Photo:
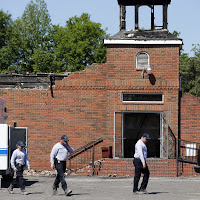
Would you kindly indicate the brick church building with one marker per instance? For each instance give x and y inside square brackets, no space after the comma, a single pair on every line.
[107,107]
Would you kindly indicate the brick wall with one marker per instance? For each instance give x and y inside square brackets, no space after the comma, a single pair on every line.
[125,168]
[84,103]
[190,118]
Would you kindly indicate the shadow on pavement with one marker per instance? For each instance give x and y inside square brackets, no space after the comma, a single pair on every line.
[74,194]
[6,183]
[35,192]
[157,192]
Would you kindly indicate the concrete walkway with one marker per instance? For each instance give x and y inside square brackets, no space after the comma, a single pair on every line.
[96,188]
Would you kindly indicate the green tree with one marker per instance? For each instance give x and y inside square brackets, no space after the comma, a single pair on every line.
[30,40]
[190,69]
[5,23]
[35,32]
[79,44]
[5,30]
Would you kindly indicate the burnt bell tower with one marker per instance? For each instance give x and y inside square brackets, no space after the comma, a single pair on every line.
[137,4]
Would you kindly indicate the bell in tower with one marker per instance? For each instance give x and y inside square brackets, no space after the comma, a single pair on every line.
[137,4]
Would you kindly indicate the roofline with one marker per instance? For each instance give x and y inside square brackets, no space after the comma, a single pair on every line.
[167,42]
[143,2]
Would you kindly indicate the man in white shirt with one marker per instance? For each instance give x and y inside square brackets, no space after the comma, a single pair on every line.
[58,160]
[19,160]
[140,164]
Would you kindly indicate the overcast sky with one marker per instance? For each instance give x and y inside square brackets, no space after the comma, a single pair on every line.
[183,15]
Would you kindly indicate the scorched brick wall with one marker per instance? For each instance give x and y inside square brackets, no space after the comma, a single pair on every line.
[84,103]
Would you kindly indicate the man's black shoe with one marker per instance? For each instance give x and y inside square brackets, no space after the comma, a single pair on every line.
[143,192]
[68,192]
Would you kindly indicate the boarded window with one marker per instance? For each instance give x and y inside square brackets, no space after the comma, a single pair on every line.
[142,60]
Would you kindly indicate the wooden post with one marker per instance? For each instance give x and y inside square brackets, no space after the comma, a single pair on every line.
[122,17]
[165,16]
[152,17]
[136,17]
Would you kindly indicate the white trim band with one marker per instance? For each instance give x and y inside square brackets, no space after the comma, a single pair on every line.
[179,42]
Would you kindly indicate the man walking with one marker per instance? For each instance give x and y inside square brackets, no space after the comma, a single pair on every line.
[140,164]
[58,160]
[19,160]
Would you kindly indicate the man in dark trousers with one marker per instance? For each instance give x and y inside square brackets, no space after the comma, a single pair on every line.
[19,161]
[58,160]
[141,165]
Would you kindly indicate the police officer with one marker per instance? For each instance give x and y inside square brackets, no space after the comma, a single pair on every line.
[140,164]
[58,159]
[19,160]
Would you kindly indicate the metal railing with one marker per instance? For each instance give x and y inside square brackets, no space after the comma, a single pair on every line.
[83,156]
[188,151]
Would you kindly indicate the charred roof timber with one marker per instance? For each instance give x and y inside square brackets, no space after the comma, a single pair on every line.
[137,4]
[30,80]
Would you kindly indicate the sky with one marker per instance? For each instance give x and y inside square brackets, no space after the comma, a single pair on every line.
[183,15]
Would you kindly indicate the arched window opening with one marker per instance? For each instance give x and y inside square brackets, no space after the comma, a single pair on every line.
[142,60]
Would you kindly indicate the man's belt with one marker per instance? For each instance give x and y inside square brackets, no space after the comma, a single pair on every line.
[59,161]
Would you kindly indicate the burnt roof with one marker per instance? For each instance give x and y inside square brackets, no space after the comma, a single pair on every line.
[144,35]
[143,2]
[29,81]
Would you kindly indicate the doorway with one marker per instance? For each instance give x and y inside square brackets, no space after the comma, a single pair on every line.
[134,125]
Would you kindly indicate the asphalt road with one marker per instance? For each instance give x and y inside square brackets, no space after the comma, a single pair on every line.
[97,188]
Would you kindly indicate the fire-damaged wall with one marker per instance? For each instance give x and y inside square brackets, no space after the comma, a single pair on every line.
[135,91]
[83,103]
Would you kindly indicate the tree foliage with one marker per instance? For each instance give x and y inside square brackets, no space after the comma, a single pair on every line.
[29,40]
[34,33]
[79,43]
[190,70]
[5,22]
[32,44]
[5,30]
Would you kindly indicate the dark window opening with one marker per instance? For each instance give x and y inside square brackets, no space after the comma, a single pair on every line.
[142,97]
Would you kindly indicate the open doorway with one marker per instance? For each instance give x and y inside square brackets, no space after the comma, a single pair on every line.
[134,125]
